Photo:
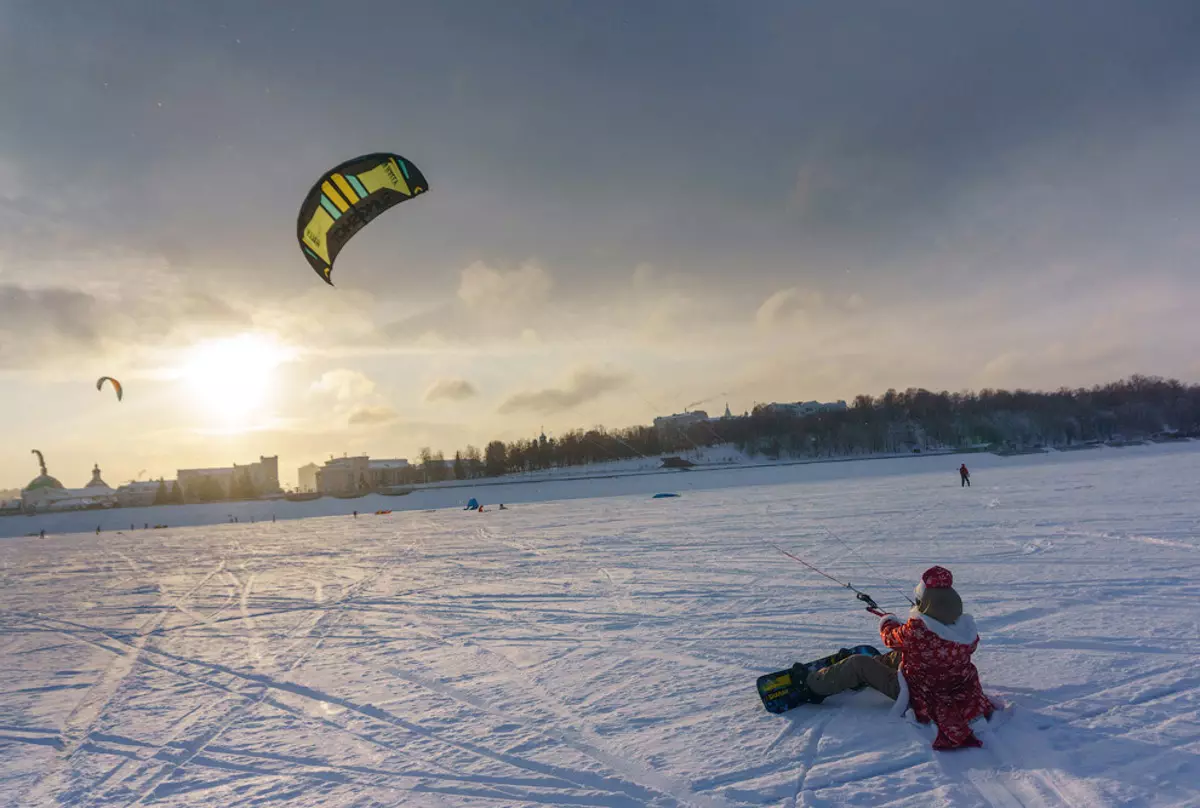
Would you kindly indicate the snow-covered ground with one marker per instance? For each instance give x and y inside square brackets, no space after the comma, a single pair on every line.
[603,651]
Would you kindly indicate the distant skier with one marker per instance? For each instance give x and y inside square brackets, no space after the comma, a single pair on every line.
[929,668]
[502,507]
[42,535]
[965,475]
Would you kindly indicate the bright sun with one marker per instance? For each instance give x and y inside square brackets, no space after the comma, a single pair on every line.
[232,378]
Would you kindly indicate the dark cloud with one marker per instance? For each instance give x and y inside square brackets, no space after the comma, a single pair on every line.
[41,326]
[583,386]
[33,319]
[451,390]
[890,119]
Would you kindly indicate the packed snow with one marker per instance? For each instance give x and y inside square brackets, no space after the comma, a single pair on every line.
[602,650]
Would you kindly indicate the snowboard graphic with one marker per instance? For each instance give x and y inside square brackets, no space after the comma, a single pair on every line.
[779,694]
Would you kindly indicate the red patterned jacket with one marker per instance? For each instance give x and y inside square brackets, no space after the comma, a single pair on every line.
[935,668]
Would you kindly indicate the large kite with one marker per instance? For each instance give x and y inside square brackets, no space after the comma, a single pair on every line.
[116,385]
[347,198]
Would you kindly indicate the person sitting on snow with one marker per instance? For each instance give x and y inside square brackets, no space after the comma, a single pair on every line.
[929,668]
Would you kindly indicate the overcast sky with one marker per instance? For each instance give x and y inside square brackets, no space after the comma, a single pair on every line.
[633,206]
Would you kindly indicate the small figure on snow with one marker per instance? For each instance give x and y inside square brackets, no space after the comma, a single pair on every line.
[965,475]
[929,668]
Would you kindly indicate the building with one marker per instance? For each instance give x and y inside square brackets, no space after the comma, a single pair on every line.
[195,482]
[344,475]
[307,476]
[352,475]
[263,476]
[680,422]
[45,493]
[387,473]
[139,494]
[802,408]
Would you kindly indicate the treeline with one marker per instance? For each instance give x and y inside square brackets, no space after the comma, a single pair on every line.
[910,421]
[917,420]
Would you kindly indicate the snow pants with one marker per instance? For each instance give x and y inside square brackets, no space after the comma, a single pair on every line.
[856,671]
[966,482]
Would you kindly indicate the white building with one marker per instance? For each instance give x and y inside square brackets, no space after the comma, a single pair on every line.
[193,481]
[387,473]
[680,422]
[264,476]
[138,494]
[45,493]
[344,475]
[803,408]
[351,475]
[307,476]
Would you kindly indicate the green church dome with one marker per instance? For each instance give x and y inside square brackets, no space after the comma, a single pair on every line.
[43,481]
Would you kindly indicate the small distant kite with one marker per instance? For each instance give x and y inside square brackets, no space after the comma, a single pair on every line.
[116,385]
[347,198]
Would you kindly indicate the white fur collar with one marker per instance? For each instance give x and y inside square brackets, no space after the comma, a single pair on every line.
[961,630]
[901,700]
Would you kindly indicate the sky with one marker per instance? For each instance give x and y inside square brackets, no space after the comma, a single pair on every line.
[633,208]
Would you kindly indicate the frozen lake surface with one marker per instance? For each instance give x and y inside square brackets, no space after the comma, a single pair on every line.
[602,651]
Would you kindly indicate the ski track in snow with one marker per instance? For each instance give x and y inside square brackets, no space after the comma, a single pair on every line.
[602,652]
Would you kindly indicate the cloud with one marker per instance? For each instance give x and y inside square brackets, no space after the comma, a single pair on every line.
[344,384]
[583,385]
[357,402]
[495,292]
[51,327]
[451,390]
[788,304]
[46,315]
[371,415]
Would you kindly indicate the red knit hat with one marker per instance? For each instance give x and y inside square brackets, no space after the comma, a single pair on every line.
[934,578]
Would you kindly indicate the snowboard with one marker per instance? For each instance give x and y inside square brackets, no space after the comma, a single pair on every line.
[777,691]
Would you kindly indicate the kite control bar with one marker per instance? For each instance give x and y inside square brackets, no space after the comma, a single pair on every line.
[872,606]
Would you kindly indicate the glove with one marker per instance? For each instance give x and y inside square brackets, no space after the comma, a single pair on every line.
[888,618]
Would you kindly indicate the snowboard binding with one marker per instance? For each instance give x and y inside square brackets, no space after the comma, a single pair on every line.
[785,689]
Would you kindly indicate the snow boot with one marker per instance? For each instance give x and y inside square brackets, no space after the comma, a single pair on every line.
[800,673]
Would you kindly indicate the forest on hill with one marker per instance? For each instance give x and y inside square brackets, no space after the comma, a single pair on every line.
[913,420]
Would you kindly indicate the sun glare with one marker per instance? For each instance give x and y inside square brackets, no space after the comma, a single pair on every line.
[232,379]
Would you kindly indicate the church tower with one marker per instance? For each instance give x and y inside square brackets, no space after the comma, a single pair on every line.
[96,481]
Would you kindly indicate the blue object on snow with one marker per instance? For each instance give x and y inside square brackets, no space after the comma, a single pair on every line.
[473,505]
[664,496]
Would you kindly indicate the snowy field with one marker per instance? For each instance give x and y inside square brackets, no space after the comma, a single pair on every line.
[603,651]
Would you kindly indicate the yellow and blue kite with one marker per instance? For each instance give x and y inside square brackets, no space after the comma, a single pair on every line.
[346,198]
